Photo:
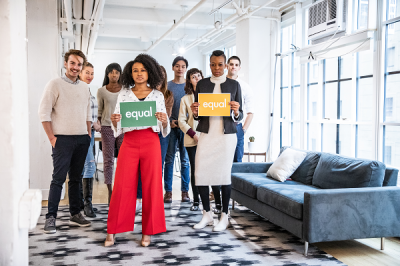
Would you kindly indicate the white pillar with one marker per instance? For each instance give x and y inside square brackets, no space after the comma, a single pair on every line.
[43,65]
[255,47]
[14,133]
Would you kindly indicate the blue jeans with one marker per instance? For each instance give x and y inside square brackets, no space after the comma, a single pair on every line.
[176,139]
[240,143]
[90,166]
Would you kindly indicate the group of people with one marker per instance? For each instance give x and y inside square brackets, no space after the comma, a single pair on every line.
[70,115]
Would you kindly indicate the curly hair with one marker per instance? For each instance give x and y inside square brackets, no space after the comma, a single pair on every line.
[110,68]
[154,71]
[75,52]
[189,87]
[164,86]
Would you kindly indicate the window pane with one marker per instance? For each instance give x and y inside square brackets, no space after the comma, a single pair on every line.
[365,63]
[296,134]
[314,137]
[296,70]
[365,111]
[329,138]
[330,101]
[346,100]
[331,69]
[345,140]
[296,103]
[362,14]
[391,149]
[393,9]
[285,103]
[365,142]
[346,66]
[285,72]
[285,134]
[313,102]
[392,104]
[313,72]
[393,46]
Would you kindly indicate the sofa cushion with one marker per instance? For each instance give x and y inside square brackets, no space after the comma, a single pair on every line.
[247,183]
[334,171]
[285,165]
[305,172]
[287,197]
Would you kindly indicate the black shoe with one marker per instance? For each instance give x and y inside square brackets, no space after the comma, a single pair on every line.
[87,195]
[50,225]
[79,220]
[89,212]
[81,199]
[217,209]
[195,207]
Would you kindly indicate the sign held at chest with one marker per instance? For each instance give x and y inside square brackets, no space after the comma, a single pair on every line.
[214,104]
[138,114]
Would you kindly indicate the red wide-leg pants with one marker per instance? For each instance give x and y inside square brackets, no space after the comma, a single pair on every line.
[140,151]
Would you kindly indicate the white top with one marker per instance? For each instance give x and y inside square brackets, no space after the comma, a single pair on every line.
[67,106]
[126,95]
[247,99]
[186,120]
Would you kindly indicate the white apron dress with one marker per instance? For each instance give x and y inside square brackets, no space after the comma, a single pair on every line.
[215,150]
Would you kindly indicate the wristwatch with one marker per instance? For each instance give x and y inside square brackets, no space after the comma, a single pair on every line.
[244,130]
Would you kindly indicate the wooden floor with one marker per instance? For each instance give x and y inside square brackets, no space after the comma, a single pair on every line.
[365,252]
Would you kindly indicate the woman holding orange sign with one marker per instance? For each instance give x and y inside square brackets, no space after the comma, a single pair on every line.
[217,142]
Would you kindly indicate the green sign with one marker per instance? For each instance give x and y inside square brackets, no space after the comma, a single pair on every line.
[138,114]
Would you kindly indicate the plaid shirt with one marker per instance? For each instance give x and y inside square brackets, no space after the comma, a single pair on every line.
[66,79]
[94,107]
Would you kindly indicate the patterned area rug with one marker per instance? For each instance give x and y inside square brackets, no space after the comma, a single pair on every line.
[251,240]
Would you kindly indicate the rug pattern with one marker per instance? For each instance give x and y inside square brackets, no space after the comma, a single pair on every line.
[251,240]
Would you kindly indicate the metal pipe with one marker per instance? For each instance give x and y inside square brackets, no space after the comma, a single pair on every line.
[68,14]
[95,29]
[77,11]
[87,9]
[77,8]
[78,33]
[183,19]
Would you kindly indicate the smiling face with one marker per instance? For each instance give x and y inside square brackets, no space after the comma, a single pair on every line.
[194,78]
[139,73]
[217,65]
[87,75]
[113,76]
[233,67]
[179,68]
[73,66]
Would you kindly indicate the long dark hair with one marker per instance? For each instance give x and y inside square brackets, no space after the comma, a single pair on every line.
[110,68]
[154,71]
[164,86]
[189,86]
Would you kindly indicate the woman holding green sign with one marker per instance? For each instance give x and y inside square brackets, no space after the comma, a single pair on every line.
[217,142]
[140,151]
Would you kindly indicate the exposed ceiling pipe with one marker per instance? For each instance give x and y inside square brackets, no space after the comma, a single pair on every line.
[69,32]
[87,14]
[77,10]
[95,29]
[214,31]
[183,19]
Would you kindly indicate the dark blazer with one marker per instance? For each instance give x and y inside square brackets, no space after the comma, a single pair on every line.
[229,86]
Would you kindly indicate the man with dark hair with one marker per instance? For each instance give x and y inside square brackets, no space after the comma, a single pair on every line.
[65,113]
[177,87]
[234,64]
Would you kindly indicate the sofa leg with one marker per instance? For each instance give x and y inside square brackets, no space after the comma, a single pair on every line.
[382,243]
[233,204]
[305,248]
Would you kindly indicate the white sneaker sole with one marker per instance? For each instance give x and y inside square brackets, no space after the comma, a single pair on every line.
[50,231]
[77,224]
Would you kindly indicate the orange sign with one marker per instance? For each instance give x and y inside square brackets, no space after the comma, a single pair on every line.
[214,104]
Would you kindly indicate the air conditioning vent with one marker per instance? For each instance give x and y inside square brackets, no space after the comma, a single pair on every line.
[332,9]
[344,10]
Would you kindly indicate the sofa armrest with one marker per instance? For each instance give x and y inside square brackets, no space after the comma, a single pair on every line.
[250,167]
[351,213]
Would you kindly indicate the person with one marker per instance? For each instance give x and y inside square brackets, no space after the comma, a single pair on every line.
[188,125]
[217,142]
[177,87]
[140,152]
[107,99]
[86,187]
[66,117]
[234,66]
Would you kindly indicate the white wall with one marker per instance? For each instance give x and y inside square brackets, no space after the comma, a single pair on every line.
[14,140]
[43,59]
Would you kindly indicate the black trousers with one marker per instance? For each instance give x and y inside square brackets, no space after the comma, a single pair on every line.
[69,156]
[192,155]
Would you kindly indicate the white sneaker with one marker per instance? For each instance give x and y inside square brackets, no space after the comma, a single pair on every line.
[222,224]
[207,219]
[138,206]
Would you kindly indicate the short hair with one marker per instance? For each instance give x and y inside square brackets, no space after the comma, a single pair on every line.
[218,53]
[234,57]
[110,68]
[154,71]
[75,52]
[180,58]
[188,86]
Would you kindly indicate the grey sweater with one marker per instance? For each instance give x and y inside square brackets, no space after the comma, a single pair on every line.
[107,101]
[66,106]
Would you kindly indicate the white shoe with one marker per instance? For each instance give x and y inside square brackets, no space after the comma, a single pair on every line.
[138,206]
[222,224]
[207,219]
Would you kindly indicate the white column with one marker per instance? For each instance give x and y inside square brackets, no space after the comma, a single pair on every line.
[43,59]
[14,133]
[255,47]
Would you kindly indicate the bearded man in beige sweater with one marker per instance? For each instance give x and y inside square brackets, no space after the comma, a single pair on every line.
[65,113]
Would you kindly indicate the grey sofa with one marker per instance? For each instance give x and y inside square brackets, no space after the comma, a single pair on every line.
[329,198]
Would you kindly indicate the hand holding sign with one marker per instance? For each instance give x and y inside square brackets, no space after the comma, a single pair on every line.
[195,108]
[235,107]
[115,118]
[163,118]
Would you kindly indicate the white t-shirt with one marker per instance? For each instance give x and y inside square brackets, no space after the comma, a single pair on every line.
[247,99]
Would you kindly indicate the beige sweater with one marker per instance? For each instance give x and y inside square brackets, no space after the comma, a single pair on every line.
[66,106]
[186,121]
[107,101]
